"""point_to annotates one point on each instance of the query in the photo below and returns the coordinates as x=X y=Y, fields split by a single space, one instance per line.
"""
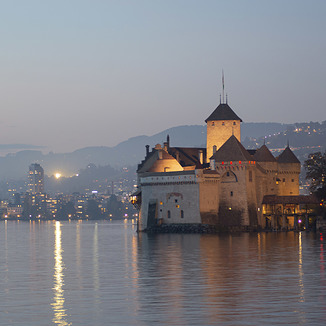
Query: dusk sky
x=94 y=73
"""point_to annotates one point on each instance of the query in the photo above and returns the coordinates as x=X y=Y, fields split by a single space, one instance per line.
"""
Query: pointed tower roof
x=232 y=150
x=263 y=154
x=287 y=156
x=223 y=112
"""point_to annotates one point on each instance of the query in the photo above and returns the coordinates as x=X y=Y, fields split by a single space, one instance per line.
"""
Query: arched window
x=213 y=123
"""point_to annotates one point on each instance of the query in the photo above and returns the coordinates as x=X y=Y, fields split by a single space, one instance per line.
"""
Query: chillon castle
x=222 y=185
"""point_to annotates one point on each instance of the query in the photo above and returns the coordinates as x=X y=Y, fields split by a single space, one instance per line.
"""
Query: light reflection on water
x=100 y=273
x=59 y=300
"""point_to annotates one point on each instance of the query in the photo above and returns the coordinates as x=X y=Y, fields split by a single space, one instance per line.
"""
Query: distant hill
x=132 y=151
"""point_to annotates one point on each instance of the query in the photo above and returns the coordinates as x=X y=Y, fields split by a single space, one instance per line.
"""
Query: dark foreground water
x=103 y=273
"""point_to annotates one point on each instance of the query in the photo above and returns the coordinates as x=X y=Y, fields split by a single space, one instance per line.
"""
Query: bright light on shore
x=57 y=175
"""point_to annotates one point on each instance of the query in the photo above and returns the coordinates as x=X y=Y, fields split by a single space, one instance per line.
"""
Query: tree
x=92 y=210
x=114 y=207
x=315 y=167
x=66 y=211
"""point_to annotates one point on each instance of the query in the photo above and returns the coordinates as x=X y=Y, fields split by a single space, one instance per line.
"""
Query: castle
x=222 y=185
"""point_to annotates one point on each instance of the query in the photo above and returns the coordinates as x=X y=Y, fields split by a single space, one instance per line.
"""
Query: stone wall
x=176 y=196
x=218 y=132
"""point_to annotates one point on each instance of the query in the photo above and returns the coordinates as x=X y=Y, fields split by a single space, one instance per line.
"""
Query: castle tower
x=221 y=125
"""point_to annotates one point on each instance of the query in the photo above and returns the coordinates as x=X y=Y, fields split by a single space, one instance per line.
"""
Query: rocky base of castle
x=197 y=228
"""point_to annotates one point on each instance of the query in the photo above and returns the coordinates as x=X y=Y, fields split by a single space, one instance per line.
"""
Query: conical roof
x=287 y=156
x=232 y=150
x=223 y=112
x=263 y=154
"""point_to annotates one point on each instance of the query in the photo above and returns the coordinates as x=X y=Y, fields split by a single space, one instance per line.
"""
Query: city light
x=57 y=175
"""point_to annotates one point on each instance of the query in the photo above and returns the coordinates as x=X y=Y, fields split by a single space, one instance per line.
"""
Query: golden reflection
x=301 y=286
x=58 y=304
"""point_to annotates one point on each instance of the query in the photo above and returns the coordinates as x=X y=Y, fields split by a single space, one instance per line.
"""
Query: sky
x=78 y=73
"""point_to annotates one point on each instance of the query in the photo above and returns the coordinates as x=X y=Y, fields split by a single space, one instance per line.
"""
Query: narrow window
x=176 y=200
x=234 y=123
x=231 y=193
x=182 y=214
x=292 y=180
x=169 y=214
x=250 y=176
x=283 y=179
x=227 y=174
x=213 y=123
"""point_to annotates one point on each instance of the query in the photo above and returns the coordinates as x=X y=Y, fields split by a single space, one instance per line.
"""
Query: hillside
x=303 y=137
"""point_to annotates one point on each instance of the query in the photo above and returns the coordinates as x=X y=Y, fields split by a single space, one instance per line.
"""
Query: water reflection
x=301 y=286
x=59 y=300
x=95 y=260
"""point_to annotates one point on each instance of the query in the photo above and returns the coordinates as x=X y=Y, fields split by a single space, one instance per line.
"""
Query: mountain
x=132 y=151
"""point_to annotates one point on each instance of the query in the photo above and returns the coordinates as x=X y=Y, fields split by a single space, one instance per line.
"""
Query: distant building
x=223 y=185
x=35 y=179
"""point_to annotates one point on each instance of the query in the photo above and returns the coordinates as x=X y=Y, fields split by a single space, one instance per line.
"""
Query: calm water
x=88 y=273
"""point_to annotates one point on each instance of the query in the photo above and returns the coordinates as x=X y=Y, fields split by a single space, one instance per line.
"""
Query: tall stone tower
x=221 y=125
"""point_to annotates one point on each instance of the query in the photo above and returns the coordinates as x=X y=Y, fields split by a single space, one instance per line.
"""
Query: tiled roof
x=263 y=154
x=223 y=112
x=232 y=150
x=188 y=156
x=287 y=156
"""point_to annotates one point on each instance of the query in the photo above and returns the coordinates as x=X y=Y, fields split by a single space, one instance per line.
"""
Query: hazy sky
x=78 y=73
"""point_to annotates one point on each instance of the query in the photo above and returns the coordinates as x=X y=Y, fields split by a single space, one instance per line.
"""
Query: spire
x=223 y=84
x=288 y=143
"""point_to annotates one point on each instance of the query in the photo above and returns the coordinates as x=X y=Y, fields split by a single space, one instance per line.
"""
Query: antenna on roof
x=265 y=140
x=223 y=84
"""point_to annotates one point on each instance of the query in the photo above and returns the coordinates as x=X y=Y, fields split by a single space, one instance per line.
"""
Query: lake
x=104 y=273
